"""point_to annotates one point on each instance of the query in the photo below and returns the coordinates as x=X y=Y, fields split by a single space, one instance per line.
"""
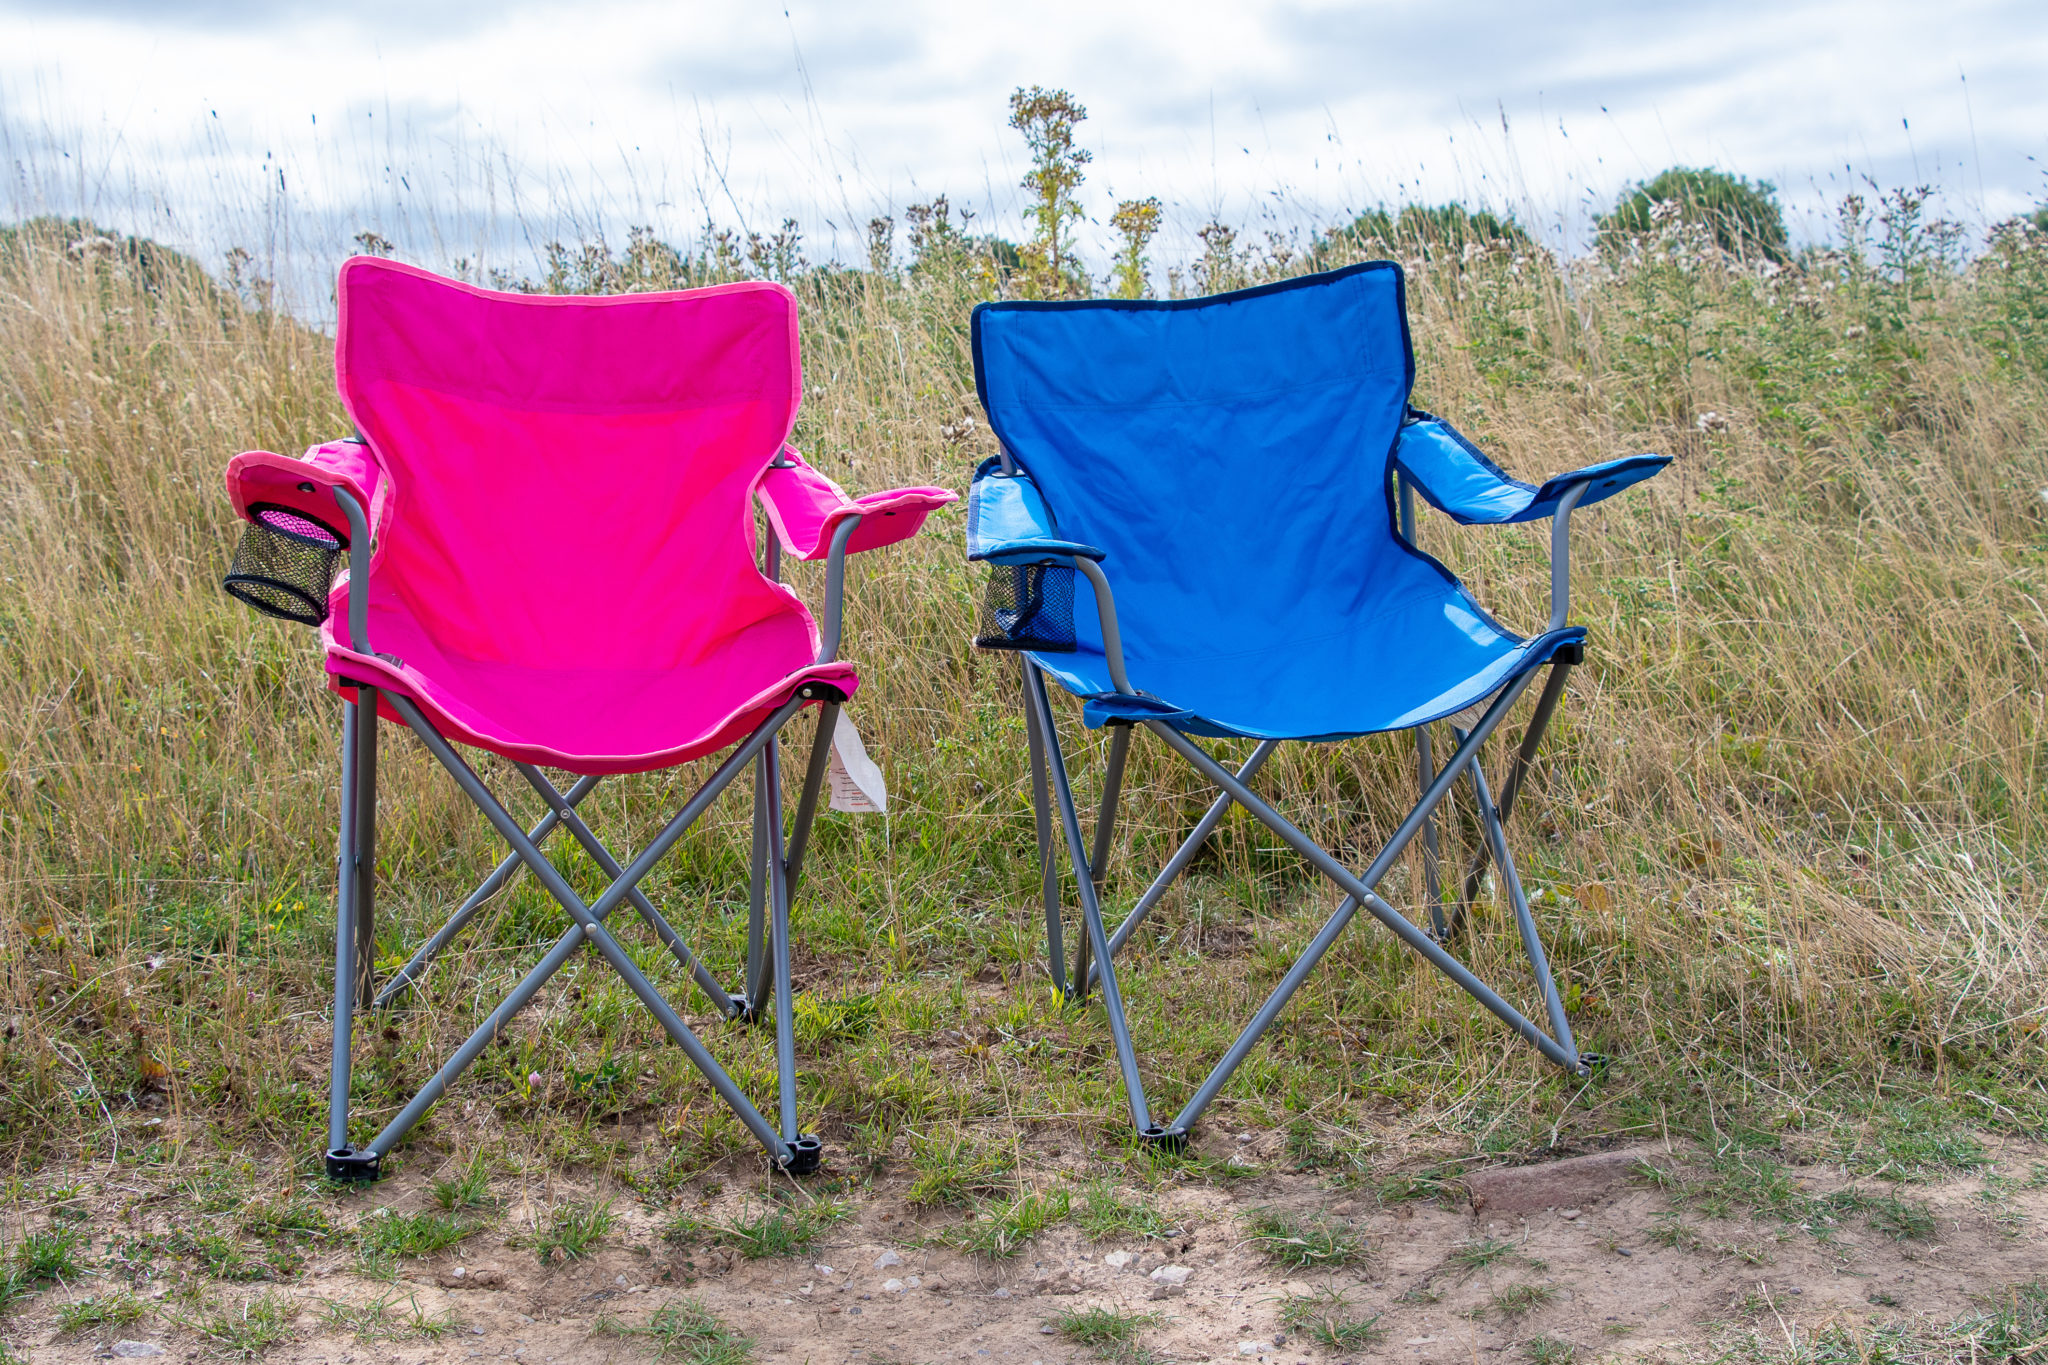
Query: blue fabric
x=1457 y=479
x=1007 y=521
x=1232 y=458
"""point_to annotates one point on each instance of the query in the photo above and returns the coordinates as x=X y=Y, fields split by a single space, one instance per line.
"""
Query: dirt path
x=1586 y=1257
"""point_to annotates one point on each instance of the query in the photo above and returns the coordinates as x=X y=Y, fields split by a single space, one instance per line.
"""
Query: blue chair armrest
x=1009 y=523
x=1455 y=477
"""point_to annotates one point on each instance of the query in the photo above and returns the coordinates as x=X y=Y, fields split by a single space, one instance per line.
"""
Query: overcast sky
x=470 y=126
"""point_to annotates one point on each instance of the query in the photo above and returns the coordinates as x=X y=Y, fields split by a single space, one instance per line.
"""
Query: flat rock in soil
x=1576 y=1182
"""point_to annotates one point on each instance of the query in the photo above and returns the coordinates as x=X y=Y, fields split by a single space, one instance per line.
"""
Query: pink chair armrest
x=804 y=508
x=306 y=484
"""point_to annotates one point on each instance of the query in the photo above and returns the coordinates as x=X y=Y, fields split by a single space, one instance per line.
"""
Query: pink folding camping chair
x=547 y=519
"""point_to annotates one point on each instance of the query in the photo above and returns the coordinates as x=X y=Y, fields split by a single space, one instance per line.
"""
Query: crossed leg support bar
x=1050 y=776
x=768 y=962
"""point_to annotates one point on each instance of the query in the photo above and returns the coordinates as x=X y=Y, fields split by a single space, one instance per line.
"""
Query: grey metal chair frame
x=1094 y=957
x=776 y=868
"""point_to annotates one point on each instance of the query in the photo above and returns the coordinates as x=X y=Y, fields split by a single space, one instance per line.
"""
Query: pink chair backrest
x=570 y=478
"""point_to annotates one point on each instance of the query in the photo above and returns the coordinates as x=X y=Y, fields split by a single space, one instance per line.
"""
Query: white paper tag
x=857 y=783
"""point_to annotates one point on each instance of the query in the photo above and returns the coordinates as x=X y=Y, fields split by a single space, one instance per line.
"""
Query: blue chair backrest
x=1228 y=453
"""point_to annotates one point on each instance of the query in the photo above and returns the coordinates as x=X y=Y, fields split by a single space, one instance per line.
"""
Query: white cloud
x=464 y=126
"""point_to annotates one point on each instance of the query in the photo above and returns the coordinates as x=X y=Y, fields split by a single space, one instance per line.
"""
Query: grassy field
x=1787 y=845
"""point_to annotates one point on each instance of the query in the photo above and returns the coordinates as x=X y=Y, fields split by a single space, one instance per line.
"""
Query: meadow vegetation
x=1788 y=843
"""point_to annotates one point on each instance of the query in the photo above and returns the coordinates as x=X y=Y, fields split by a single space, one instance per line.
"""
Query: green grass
x=1306 y=1239
x=1914 y=1141
x=573 y=1231
x=386 y=1235
x=1480 y=1253
x=115 y=1309
x=286 y=1219
x=1102 y=1215
x=687 y=1332
x=1518 y=1299
x=1549 y=1351
x=1110 y=1333
x=1671 y=1230
x=2007 y=1328
x=226 y=1257
x=249 y=1327
x=1894 y=1215
x=1327 y=1317
x=779 y=1229
x=1752 y=1184
x=2012 y=1324
x=48 y=1257
x=1315 y=1146
x=1403 y=1186
x=468 y=1188
x=954 y=1172
x=386 y=1318
x=1002 y=1228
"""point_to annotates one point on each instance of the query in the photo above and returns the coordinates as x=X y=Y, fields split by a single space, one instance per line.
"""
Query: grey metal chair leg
x=805 y=1150
x=1091 y=915
x=366 y=847
x=1048 y=873
x=1112 y=789
x=344 y=1162
x=1532 y=944
x=1432 y=880
x=754 y=990
x=1473 y=836
x=1105 y=833
x=778 y=944
x=1525 y=754
x=807 y=804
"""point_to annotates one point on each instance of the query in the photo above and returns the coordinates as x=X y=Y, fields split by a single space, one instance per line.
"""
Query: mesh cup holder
x=285 y=563
x=1028 y=606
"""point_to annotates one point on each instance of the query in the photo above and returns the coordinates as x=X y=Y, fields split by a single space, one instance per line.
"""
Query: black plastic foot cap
x=1589 y=1062
x=352 y=1164
x=740 y=1012
x=1171 y=1141
x=804 y=1155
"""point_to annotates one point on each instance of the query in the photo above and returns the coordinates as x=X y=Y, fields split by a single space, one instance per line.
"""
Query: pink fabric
x=564 y=567
x=258 y=476
x=804 y=507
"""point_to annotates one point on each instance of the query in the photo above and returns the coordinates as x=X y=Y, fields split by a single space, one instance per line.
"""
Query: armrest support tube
x=358 y=572
x=835 y=590
x=1561 y=555
x=1105 y=609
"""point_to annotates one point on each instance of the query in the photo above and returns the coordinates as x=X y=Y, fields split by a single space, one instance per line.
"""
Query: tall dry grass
x=1787 y=842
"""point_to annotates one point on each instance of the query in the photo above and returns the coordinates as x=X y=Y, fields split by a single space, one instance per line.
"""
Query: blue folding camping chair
x=1243 y=468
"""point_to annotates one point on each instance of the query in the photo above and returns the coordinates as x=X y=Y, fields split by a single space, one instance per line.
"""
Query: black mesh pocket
x=285 y=563
x=1028 y=606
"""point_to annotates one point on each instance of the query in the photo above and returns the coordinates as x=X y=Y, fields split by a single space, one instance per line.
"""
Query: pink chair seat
x=565 y=564
x=585 y=720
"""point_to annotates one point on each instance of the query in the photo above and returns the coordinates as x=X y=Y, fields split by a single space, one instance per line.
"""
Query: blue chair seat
x=1419 y=650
